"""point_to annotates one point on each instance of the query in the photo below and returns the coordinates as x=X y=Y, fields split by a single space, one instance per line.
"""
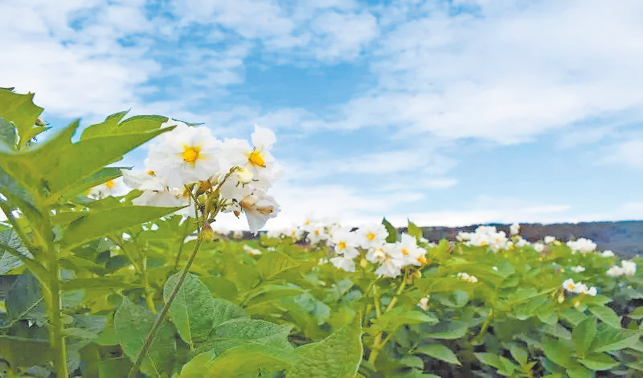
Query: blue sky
x=447 y=112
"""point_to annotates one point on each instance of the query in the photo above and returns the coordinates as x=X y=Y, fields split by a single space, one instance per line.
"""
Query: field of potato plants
x=120 y=272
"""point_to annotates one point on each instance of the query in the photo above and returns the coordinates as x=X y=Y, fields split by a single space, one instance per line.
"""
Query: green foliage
x=96 y=273
x=338 y=355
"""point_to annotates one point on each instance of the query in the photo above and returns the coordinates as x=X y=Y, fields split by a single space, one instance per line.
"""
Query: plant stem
x=178 y=255
x=378 y=344
x=55 y=306
x=162 y=315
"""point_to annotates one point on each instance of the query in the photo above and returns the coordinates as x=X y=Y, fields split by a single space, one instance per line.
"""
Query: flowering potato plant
x=125 y=272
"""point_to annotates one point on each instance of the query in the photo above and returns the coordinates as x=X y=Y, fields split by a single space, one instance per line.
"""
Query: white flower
x=629 y=267
x=607 y=253
x=316 y=234
x=572 y=287
x=293 y=232
x=345 y=243
x=250 y=250
x=412 y=254
x=522 y=243
x=114 y=188
x=376 y=255
x=538 y=247
x=578 y=269
x=591 y=291
x=582 y=245
x=344 y=263
x=372 y=235
x=274 y=234
x=424 y=303
x=259 y=207
x=186 y=155
x=257 y=159
x=615 y=271
x=549 y=239
x=514 y=229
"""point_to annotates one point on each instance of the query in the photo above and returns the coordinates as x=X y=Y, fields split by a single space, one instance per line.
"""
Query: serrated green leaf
x=392 y=231
x=438 y=351
x=195 y=312
x=100 y=223
x=583 y=335
x=599 y=361
x=97 y=178
x=337 y=356
x=57 y=165
x=21 y=111
x=107 y=127
x=607 y=315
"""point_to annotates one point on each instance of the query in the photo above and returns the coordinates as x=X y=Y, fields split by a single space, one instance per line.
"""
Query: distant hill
x=624 y=238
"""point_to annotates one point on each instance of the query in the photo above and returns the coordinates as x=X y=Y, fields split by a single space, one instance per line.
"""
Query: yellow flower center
x=422 y=260
x=190 y=154
x=256 y=159
x=571 y=287
x=316 y=232
x=151 y=173
x=370 y=236
x=405 y=251
x=110 y=184
x=341 y=246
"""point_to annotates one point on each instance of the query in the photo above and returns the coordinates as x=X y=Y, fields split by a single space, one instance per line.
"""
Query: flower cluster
x=578 y=287
x=581 y=245
x=488 y=236
x=627 y=268
x=190 y=161
x=367 y=244
x=467 y=278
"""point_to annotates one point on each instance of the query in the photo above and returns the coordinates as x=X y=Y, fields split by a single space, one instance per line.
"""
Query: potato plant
x=142 y=284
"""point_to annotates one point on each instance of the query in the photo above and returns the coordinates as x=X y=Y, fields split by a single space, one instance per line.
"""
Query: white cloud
x=342 y=36
x=629 y=153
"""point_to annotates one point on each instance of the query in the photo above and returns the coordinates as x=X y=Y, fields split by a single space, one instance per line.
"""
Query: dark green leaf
x=392 y=231
x=583 y=335
x=438 y=351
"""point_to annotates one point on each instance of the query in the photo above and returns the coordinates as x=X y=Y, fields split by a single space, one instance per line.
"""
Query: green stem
x=476 y=340
x=178 y=255
x=378 y=343
x=163 y=314
x=55 y=308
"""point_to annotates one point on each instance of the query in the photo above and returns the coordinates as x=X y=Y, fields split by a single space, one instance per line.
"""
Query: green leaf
x=392 y=231
x=25 y=300
x=220 y=287
x=241 y=361
x=637 y=313
x=490 y=359
x=98 y=283
x=57 y=165
x=583 y=335
x=97 y=178
x=609 y=339
x=132 y=323
x=273 y=263
x=414 y=230
x=519 y=354
x=265 y=293
x=438 y=351
x=8 y=133
x=391 y=320
x=556 y=351
x=599 y=361
x=195 y=312
x=447 y=331
x=22 y=112
x=24 y=352
x=607 y=315
x=238 y=332
x=111 y=126
x=338 y=356
x=100 y=223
